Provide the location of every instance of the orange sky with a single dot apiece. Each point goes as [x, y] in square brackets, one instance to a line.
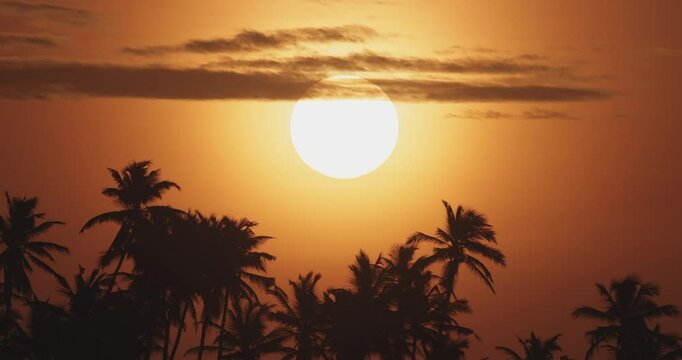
[581, 187]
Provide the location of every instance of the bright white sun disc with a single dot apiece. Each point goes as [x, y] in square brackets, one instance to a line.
[344, 127]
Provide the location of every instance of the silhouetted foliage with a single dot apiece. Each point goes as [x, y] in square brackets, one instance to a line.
[21, 250]
[534, 348]
[629, 304]
[186, 267]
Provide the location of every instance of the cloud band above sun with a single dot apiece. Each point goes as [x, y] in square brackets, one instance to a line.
[281, 64]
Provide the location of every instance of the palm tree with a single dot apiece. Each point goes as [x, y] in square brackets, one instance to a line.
[301, 317]
[467, 235]
[534, 348]
[226, 264]
[237, 260]
[419, 304]
[411, 294]
[19, 231]
[246, 336]
[136, 188]
[629, 304]
[359, 319]
[87, 290]
[450, 349]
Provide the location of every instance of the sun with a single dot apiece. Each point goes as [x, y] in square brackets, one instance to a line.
[344, 127]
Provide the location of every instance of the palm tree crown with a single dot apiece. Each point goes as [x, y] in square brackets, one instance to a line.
[301, 317]
[534, 348]
[467, 234]
[629, 304]
[21, 250]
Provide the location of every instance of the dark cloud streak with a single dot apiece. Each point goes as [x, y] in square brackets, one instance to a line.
[58, 13]
[531, 114]
[370, 61]
[27, 39]
[252, 40]
[48, 79]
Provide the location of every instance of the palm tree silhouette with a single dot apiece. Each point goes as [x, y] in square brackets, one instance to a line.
[419, 305]
[467, 234]
[629, 304]
[246, 336]
[237, 261]
[18, 233]
[412, 295]
[301, 318]
[136, 187]
[87, 290]
[447, 348]
[534, 348]
[226, 264]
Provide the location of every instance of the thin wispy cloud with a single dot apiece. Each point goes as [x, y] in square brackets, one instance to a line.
[482, 115]
[49, 11]
[368, 61]
[530, 114]
[252, 40]
[10, 39]
[543, 114]
[25, 80]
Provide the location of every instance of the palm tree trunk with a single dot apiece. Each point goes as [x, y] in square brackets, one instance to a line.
[450, 290]
[115, 274]
[148, 352]
[222, 324]
[8, 293]
[414, 348]
[202, 339]
[166, 339]
[181, 327]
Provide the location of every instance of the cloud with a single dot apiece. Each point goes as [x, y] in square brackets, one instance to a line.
[252, 40]
[370, 61]
[664, 52]
[456, 91]
[57, 13]
[543, 114]
[531, 114]
[7, 39]
[26, 80]
[47, 79]
[482, 115]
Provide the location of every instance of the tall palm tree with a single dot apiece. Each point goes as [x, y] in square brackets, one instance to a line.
[534, 348]
[227, 266]
[301, 318]
[21, 250]
[467, 234]
[136, 188]
[629, 304]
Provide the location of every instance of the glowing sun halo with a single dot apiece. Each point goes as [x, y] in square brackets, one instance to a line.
[344, 127]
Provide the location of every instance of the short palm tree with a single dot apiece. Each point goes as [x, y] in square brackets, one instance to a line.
[86, 292]
[467, 235]
[534, 348]
[246, 336]
[301, 317]
[629, 304]
[136, 188]
[238, 262]
[410, 291]
[21, 250]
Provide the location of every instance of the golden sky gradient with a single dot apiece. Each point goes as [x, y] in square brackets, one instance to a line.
[560, 121]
